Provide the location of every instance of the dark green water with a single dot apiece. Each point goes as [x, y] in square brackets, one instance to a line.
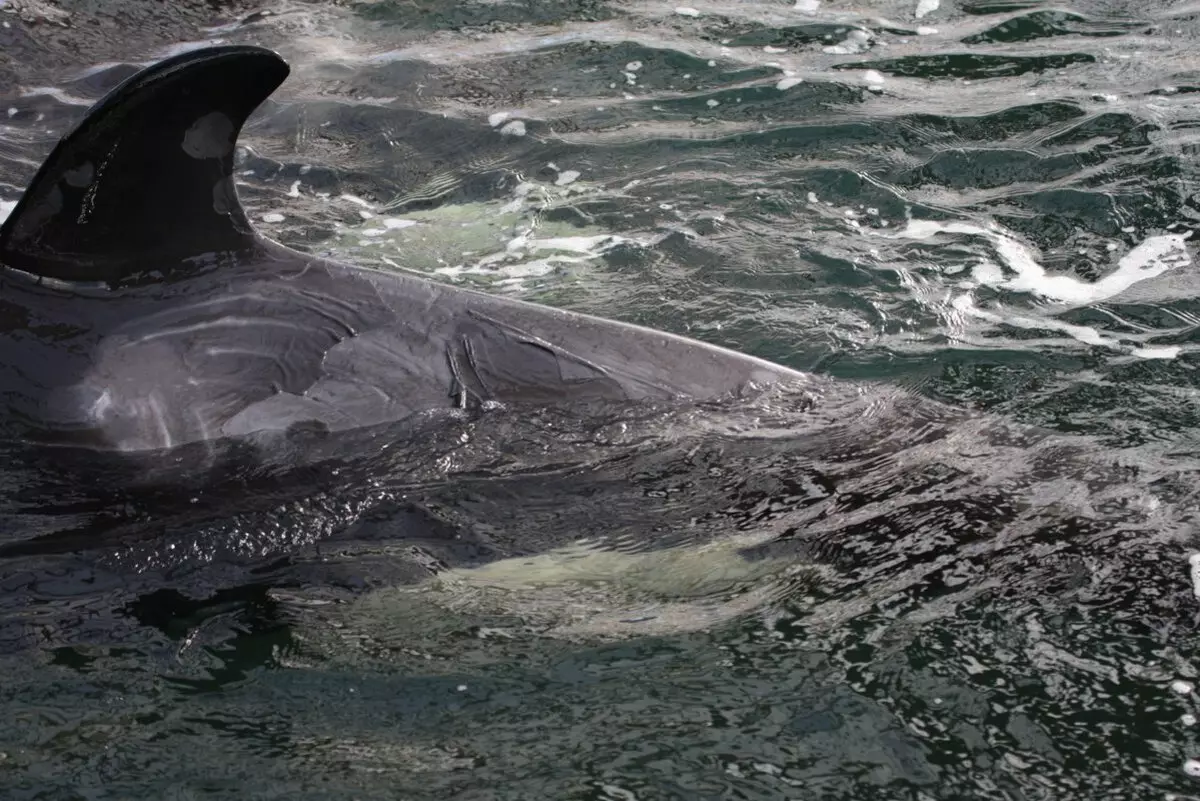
[969, 580]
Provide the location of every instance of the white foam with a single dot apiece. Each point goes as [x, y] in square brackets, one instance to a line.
[1193, 568]
[6, 207]
[355, 199]
[295, 190]
[273, 217]
[574, 244]
[1157, 352]
[855, 42]
[808, 6]
[1182, 687]
[774, 50]
[513, 274]
[712, 103]
[1192, 767]
[526, 256]
[686, 11]
[394, 223]
[57, 94]
[787, 83]
[497, 117]
[874, 80]
[965, 304]
[12, 112]
[1153, 257]
[633, 66]
[514, 128]
[566, 177]
[180, 48]
[926, 7]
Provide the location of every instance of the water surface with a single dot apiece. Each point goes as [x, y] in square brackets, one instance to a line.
[957, 567]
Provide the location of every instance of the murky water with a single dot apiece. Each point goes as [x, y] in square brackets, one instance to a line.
[958, 566]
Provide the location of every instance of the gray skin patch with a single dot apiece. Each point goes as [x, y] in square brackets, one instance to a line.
[81, 176]
[210, 137]
[225, 199]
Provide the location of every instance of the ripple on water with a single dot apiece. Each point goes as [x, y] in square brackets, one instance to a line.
[847, 592]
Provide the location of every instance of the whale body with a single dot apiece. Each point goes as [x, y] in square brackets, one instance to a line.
[141, 311]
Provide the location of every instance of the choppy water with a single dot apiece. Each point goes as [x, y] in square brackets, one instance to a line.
[856, 593]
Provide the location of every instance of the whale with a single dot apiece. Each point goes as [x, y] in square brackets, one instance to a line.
[156, 350]
[141, 312]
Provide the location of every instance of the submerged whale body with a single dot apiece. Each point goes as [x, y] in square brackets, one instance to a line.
[140, 310]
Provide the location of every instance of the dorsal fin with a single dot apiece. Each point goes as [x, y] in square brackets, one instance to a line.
[145, 180]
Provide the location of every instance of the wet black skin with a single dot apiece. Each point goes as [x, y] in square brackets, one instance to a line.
[140, 311]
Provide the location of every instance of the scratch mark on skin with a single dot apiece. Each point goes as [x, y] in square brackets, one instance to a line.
[459, 389]
[160, 420]
[526, 338]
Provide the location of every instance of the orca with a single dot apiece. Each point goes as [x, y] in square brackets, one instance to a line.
[140, 311]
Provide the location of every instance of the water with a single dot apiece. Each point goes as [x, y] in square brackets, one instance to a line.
[852, 593]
